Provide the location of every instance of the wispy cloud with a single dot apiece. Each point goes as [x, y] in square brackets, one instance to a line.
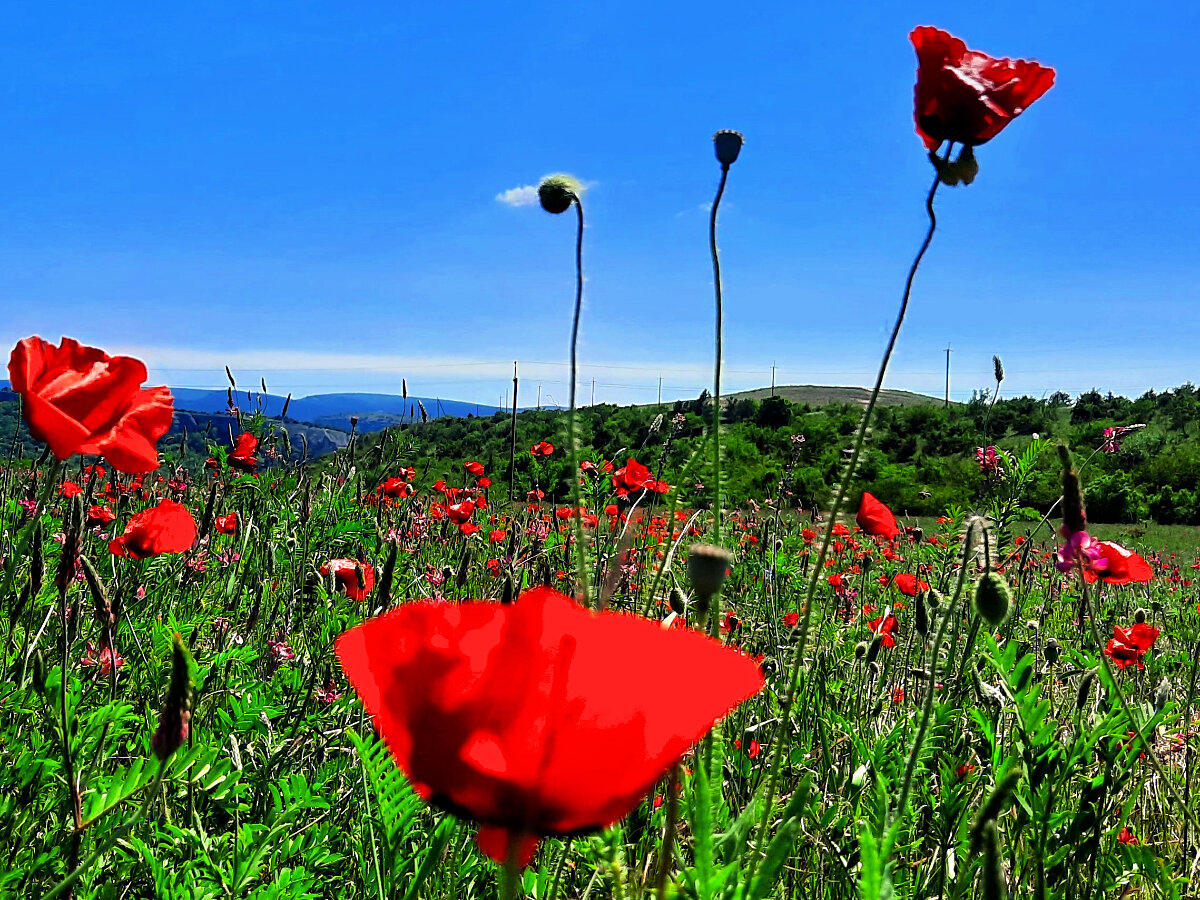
[525, 195]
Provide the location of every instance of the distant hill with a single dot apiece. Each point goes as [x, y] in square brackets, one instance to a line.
[374, 411]
[816, 395]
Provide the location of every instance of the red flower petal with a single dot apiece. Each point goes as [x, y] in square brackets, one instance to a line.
[875, 518]
[514, 715]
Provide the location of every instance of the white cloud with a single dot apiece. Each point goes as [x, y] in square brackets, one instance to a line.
[525, 195]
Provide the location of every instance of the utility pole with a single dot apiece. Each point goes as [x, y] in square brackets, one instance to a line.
[772, 379]
[946, 405]
[593, 403]
[512, 442]
[539, 398]
[660, 390]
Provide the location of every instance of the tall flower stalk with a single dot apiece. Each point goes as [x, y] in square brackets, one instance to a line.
[557, 194]
[728, 145]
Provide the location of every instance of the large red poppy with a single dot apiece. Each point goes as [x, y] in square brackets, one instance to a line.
[515, 715]
[967, 96]
[1119, 566]
[242, 456]
[79, 399]
[875, 518]
[166, 528]
[909, 584]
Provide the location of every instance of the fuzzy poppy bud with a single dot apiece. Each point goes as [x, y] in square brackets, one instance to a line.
[873, 650]
[707, 565]
[1074, 516]
[860, 649]
[176, 715]
[1086, 683]
[1139, 616]
[992, 873]
[1161, 695]
[1053, 651]
[993, 598]
[921, 617]
[728, 144]
[677, 602]
[556, 193]
[39, 672]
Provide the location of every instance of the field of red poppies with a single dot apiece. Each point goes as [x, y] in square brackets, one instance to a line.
[245, 677]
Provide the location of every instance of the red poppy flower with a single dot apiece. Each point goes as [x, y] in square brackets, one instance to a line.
[884, 628]
[1127, 646]
[875, 518]
[346, 574]
[908, 584]
[69, 489]
[1119, 566]
[460, 512]
[395, 487]
[226, 524]
[791, 620]
[967, 96]
[542, 448]
[514, 714]
[99, 515]
[242, 455]
[1128, 837]
[473, 468]
[79, 399]
[166, 528]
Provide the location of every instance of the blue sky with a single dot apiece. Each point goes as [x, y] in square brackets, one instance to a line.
[309, 193]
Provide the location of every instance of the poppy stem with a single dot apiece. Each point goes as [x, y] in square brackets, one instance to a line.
[818, 566]
[716, 262]
[572, 433]
[510, 873]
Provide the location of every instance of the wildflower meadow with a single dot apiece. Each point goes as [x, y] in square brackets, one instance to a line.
[245, 673]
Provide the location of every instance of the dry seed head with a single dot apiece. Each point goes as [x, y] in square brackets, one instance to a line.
[998, 369]
[1074, 516]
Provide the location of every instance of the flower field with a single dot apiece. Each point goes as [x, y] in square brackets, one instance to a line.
[252, 676]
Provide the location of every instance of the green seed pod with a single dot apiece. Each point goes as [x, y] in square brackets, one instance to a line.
[506, 594]
[873, 650]
[556, 193]
[706, 567]
[993, 598]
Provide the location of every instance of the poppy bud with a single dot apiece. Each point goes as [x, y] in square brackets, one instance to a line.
[506, 593]
[728, 144]
[176, 713]
[934, 599]
[768, 667]
[39, 672]
[860, 649]
[996, 801]
[556, 193]
[677, 602]
[464, 571]
[993, 598]
[992, 873]
[1053, 651]
[1161, 695]
[1086, 683]
[706, 568]
[1074, 516]
[1139, 616]
[873, 649]
[921, 617]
